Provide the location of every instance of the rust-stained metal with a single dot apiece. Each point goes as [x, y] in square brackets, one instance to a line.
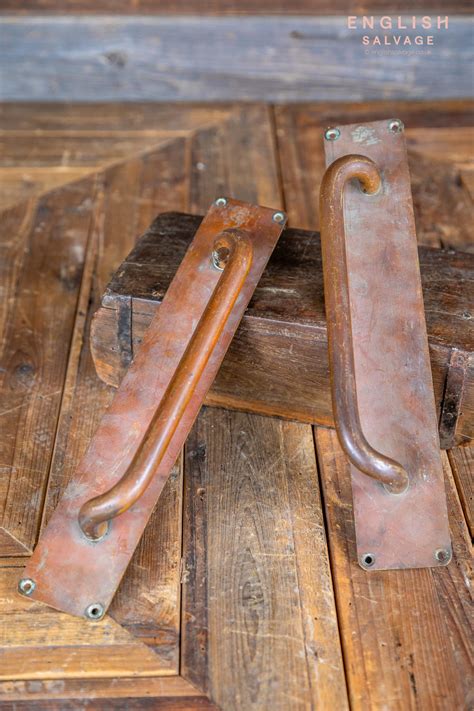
[381, 380]
[87, 545]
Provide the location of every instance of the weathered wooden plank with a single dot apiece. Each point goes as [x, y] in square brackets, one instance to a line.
[21, 149]
[462, 465]
[262, 58]
[277, 362]
[406, 634]
[231, 7]
[157, 687]
[164, 703]
[254, 544]
[44, 247]
[108, 118]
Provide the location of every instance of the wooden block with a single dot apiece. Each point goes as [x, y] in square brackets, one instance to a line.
[277, 362]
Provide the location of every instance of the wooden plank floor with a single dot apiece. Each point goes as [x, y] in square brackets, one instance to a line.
[245, 587]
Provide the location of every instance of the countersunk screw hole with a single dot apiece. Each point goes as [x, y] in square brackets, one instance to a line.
[26, 586]
[395, 126]
[368, 560]
[442, 555]
[95, 611]
[278, 217]
[220, 202]
[332, 134]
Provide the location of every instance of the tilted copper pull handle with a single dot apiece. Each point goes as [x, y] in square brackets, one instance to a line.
[233, 255]
[336, 293]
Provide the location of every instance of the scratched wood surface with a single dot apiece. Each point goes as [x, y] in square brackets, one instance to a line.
[244, 587]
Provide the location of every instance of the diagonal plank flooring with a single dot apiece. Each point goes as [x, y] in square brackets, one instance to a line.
[245, 580]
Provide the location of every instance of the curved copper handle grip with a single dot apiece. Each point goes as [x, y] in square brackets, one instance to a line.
[336, 295]
[232, 254]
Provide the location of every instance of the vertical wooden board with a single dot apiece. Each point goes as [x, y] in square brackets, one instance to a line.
[461, 460]
[235, 158]
[44, 256]
[147, 603]
[405, 633]
[259, 622]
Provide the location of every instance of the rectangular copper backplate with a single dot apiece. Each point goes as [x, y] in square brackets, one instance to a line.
[393, 376]
[69, 571]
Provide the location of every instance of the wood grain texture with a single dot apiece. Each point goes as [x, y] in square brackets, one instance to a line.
[461, 460]
[44, 247]
[277, 59]
[406, 635]
[254, 545]
[230, 7]
[161, 687]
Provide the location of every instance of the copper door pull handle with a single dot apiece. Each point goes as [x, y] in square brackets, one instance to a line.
[336, 293]
[232, 254]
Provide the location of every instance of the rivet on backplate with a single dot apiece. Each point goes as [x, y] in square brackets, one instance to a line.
[332, 134]
[367, 560]
[443, 555]
[95, 611]
[278, 217]
[26, 586]
[395, 126]
[220, 202]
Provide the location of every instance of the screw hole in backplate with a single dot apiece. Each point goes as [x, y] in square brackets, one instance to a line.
[395, 126]
[332, 134]
[443, 556]
[367, 560]
[26, 586]
[95, 611]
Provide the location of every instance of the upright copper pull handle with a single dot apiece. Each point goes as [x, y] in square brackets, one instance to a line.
[232, 254]
[336, 293]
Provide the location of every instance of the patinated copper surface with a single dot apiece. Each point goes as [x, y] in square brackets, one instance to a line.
[70, 571]
[388, 400]
[96, 514]
[336, 291]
